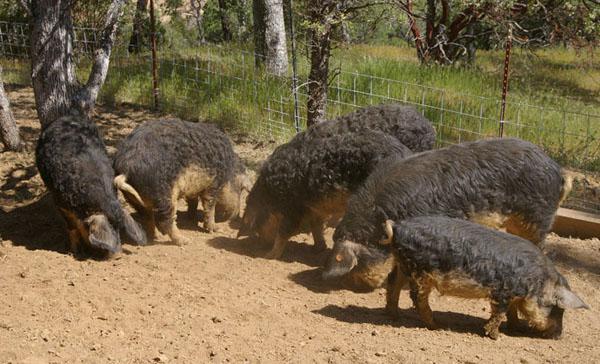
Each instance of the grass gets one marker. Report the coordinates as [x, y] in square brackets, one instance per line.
[554, 97]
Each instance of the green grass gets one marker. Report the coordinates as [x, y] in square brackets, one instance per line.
[554, 97]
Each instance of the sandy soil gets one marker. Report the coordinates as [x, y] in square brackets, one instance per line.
[216, 300]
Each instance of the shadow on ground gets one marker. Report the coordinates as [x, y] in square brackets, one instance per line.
[35, 226]
[294, 252]
[312, 280]
[409, 318]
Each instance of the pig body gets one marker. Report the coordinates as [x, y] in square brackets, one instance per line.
[465, 259]
[307, 181]
[72, 160]
[502, 183]
[167, 159]
[402, 122]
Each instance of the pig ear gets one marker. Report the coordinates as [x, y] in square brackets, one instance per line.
[133, 230]
[389, 232]
[342, 260]
[102, 235]
[566, 299]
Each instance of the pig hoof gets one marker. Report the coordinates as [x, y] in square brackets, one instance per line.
[273, 255]
[432, 325]
[180, 241]
[211, 229]
[492, 333]
[394, 312]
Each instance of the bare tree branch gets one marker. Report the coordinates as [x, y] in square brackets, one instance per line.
[88, 94]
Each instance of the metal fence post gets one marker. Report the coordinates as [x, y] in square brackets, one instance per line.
[154, 61]
[294, 68]
[505, 80]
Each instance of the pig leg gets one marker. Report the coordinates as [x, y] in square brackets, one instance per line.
[512, 316]
[145, 213]
[284, 233]
[164, 214]
[317, 228]
[395, 281]
[149, 224]
[192, 203]
[278, 247]
[422, 291]
[209, 201]
[73, 231]
[492, 327]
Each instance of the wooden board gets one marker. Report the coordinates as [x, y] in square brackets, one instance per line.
[576, 224]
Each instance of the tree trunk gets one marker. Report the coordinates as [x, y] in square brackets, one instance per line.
[198, 13]
[320, 49]
[242, 19]
[471, 47]
[9, 132]
[135, 43]
[276, 48]
[224, 21]
[55, 86]
[258, 16]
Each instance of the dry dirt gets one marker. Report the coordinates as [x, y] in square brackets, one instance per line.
[216, 300]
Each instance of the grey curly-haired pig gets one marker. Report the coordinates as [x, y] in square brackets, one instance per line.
[307, 181]
[402, 122]
[464, 259]
[507, 184]
[163, 160]
[72, 160]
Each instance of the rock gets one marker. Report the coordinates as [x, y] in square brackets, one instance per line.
[161, 358]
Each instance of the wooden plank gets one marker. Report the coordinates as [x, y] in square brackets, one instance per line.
[576, 224]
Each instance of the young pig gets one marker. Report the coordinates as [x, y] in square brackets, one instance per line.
[73, 163]
[167, 159]
[402, 122]
[307, 182]
[464, 259]
[503, 183]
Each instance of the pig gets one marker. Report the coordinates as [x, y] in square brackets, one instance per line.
[73, 163]
[163, 160]
[403, 122]
[464, 259]
[307, 181]
[507, 184]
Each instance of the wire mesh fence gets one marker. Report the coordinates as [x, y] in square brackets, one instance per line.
[224, 85]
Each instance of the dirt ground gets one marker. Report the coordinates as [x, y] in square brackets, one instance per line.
[216, 300]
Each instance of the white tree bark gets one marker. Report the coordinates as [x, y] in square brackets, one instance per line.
[9, 132]
[269, 36]
[198, 14]
[57, 92]
[276, 47]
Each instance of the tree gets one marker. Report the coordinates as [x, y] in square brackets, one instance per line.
[444, 31]
[9, 132]
[197, 7]
[323, 19]
[139, 20]
[444, 28]
[224, 21]
[269, 36]
[55, 85]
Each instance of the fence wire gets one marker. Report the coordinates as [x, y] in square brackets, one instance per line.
[224, 85]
